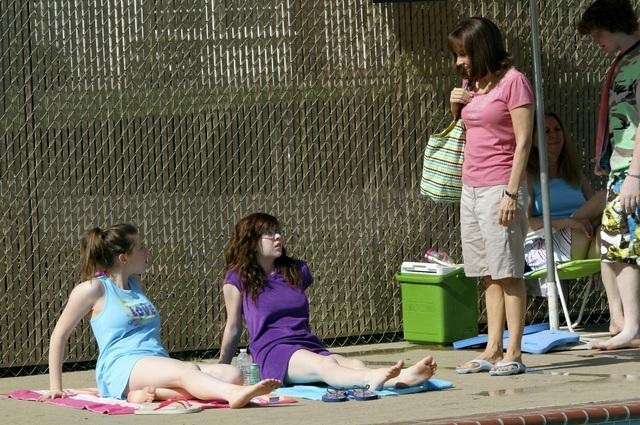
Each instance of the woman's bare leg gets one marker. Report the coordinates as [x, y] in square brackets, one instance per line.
[175, 375]
[494, 300]
[580, 245]
[306, 366]
[594, 247]
[515, 302]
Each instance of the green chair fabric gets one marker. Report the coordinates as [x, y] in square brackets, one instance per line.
[568, 270]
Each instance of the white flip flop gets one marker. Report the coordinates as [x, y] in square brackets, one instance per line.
[482, 366]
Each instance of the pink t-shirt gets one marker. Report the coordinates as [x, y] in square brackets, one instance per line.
[491, 142]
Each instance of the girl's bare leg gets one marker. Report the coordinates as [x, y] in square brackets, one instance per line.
[350, 362]
[494, 300]
[223, 372]
[305, 367]
[175, 375]
[414, 375]
[151, 393]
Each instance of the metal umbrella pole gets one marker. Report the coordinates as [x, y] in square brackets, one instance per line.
[544, 169]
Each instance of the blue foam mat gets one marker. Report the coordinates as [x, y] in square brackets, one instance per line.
[313, 392]
[544, 341]
[481, 340]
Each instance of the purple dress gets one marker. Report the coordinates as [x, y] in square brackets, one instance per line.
[278, 323]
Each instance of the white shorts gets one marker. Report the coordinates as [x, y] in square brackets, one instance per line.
[535, 250]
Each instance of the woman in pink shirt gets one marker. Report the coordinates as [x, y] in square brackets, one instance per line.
[497, 107]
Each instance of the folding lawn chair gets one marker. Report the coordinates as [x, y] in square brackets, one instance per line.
[569, 270]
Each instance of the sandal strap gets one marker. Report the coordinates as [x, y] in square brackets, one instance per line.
[182, 401]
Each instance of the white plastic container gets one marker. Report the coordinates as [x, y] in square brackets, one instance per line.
[428, 268]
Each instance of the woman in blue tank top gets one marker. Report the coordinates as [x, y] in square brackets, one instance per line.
[576, 209]
[132, 362]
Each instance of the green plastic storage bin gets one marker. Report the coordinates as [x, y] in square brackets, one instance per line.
[438, 308]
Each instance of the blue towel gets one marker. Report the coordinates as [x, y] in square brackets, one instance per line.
[313, 392]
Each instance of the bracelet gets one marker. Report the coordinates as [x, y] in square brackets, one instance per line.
[513, 196]
[637, 176]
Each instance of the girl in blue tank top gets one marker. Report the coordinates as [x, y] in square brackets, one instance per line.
[576, 209]
[132, 362]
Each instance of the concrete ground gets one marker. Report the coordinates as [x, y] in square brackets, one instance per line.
[558, 379]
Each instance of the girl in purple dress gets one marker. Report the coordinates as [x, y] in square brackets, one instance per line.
[268, 288]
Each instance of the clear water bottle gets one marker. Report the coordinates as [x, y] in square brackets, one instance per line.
[243, 362]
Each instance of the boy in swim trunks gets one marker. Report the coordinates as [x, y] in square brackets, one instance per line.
[613, 26]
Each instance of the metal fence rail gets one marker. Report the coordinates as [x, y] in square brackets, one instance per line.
[184, 116]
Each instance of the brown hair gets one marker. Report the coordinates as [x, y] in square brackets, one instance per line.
[567, 161]
[99, 248]
[241, 251]
[481, 40]
[609, 15]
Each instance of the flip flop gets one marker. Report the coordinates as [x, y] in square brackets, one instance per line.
[508, 369]
[332, 396]
[168, 407]
[482, 366]
[362, 393]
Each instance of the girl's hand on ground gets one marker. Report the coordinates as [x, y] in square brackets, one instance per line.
[630, 195]
[507, 211]
[50, 395]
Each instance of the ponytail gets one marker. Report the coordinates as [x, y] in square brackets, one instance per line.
[99, 248]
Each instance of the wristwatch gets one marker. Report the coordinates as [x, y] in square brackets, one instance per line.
[513, 196]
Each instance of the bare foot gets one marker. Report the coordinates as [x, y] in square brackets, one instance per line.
[490, 355]
[145, 395]
[243, 394]
[619, 341]
[378, 377]
[416, 374]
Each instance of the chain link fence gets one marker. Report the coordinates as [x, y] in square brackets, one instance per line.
[184, 116]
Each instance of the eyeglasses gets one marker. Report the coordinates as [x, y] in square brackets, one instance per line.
[271, 233]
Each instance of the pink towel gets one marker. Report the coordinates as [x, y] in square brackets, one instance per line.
[88, 399]
[75, 403]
